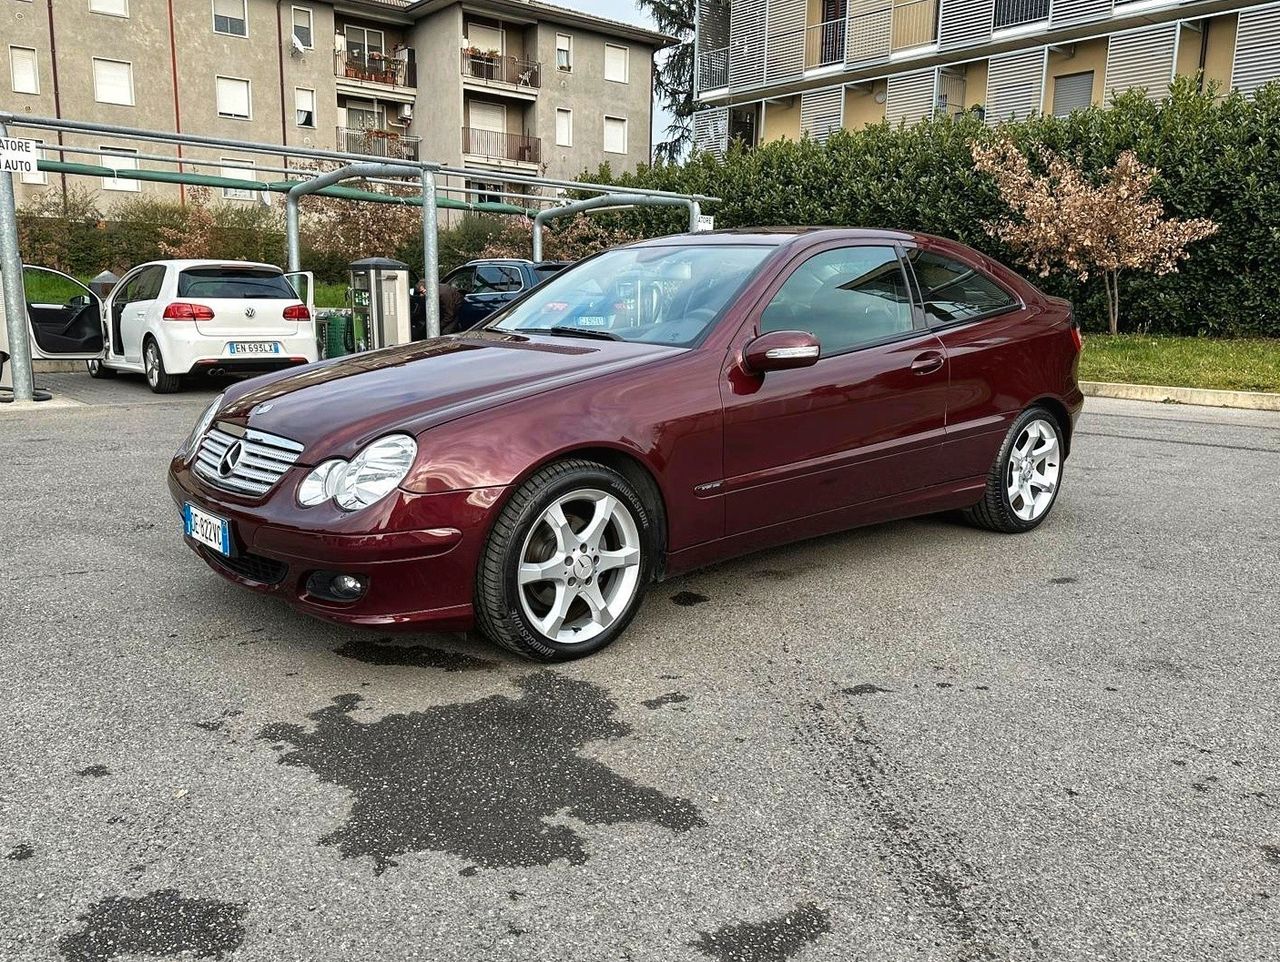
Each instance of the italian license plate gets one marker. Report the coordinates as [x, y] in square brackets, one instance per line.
[255, 347]
[206, 528]
[591, 320]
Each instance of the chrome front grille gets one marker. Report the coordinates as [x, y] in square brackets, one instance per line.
[244, 460]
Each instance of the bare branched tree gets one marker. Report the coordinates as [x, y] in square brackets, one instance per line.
[1063, 219]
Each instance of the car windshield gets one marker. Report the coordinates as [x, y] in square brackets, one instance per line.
[660, 295]
[234, 282]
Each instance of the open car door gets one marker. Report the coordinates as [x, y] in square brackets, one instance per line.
[304, 285]
[64, 316]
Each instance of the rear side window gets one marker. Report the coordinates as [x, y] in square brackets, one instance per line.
[543, 271]
[234, 282]
[491, 278]
[953, 291]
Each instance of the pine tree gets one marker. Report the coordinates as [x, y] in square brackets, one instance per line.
[673, 78]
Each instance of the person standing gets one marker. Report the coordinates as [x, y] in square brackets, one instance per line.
[418, 311]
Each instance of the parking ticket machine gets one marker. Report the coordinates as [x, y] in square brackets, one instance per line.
[379, 303]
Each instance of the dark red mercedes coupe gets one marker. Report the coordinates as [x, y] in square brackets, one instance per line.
[655, 408]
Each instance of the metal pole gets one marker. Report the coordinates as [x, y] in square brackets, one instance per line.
[609, 202]
[431, 253]
[695, 214]
[15, 301]
[537, 241]
[291, 231]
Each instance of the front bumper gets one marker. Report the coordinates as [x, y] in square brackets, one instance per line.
[417, 552]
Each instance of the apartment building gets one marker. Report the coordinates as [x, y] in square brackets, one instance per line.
[502, 86]
[797, 68]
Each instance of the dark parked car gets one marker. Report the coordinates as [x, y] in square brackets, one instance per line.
[656, 408]
[488, 286]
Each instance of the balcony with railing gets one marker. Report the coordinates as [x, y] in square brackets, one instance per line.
[1014, 13]
[378, 143]
[490, 67]
[824, 44]
[915, 23]
[500, 145]
[713, 69]
[375, 67]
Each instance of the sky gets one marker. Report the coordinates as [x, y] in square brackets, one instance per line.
[627, 12]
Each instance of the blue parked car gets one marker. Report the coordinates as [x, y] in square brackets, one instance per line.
[489, 284]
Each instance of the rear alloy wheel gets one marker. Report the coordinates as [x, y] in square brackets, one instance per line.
[566, 564]
[159, 380]
[1024, 481]
[99, 370]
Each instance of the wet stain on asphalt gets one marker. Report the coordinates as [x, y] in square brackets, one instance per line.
[773, 940]
[216, 724]
[161, 923]
[382, 652]
[1062, 581]
[671, 698]
[687, 599]
[477, 779]
[21, 852]
[865, 689]
[94, 771]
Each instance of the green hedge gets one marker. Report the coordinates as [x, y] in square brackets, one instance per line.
[1218, 157]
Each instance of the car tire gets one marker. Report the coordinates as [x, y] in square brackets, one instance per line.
[99, 370]
[1024, 481]
[596, 570]
[158, 379]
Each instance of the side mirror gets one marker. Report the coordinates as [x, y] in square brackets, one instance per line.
[781, 351]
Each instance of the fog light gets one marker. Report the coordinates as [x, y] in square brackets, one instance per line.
[337, 586]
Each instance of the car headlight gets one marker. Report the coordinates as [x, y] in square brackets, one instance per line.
[369, 476]
[206, 419]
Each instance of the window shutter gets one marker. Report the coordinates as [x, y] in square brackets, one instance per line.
[615, 135]
[615, 63]
[304, 101]
[233, 97]
[22, 69]
[113, 82]
[1072, 92]
[564, 127]
[119, 8]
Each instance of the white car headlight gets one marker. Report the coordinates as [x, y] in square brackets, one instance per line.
[189, 446]
[369, 476]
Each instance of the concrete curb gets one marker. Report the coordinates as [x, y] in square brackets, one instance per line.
[41, 366]
[1249, 400]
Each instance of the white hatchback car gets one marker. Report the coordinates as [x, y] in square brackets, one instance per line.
[167, 319]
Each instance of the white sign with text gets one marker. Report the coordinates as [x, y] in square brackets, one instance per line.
[18, 156]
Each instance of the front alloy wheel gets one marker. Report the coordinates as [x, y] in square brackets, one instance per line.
[566, 564]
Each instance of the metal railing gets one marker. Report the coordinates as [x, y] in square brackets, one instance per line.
[499, 143]
[374, 142]
[824, 43]
[915, 23]
[713, 69]
[375, 68]
[1011, 13]
[491, 66]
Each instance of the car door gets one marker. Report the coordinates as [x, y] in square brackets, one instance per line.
[63, 316]
[464, 281]
[865, 422]
[136, 312]
[982, 326]
[496, 286]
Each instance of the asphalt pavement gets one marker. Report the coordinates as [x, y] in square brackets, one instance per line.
[912, 741]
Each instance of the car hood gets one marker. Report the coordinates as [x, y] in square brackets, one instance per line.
[335, 407]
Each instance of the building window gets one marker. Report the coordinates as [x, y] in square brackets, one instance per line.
[231, 17]
[302, 26]
[564, 51]
[23, 75]
[304, 102]
[362, 44]
[487, 193]
[237, 173]
[1072, 92]
[615, 135]
[113, 82]
[234, 99]
[564, 127]
[615, 63]
[112, 8]
[118, 159]
[1014, 13]
[36, 176]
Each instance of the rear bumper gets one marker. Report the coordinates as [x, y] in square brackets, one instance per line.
[207, 354]
[418, 555]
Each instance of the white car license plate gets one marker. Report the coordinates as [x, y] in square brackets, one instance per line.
[255, 347]
[206, 528]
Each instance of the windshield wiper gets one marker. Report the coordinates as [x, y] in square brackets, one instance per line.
[568, 331]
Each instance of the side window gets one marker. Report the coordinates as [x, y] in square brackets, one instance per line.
[149, 283]
[847, 298]
[127, 291]
[491, 278]
[953, 291]
[464, 279]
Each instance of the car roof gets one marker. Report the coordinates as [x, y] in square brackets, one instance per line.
[779, 236]
[186, 263]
